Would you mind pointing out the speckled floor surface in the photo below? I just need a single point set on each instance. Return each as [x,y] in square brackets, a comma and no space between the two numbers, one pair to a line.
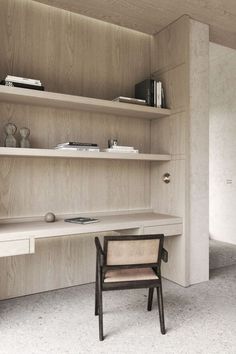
[200,319]
[222,254]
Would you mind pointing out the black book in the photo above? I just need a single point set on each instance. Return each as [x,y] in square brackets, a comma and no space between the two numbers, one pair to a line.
[77,144]
[18,84]
[145,90]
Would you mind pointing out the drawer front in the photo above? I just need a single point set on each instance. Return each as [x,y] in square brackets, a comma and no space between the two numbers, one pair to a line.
[15,247]
[167,230]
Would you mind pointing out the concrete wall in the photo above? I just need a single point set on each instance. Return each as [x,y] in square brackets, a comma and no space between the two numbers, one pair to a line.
[222,143]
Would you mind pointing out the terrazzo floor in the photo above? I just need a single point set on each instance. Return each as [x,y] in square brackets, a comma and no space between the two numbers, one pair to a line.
[199,319]
[222,254]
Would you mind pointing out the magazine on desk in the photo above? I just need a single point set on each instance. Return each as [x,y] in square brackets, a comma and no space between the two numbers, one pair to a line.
[82,220]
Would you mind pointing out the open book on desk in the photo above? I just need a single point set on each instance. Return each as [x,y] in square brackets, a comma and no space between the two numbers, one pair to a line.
[82,220]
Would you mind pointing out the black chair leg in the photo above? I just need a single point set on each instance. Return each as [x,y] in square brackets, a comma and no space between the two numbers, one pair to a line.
[96,299]
[100,314]
[150,297]
[161,309]
[96,290]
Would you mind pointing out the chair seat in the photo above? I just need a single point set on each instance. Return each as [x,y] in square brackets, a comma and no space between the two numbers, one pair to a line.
[130,275]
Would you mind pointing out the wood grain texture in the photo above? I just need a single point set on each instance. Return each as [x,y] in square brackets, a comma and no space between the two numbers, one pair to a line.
[50,126]
[64,154]
[79,103]
[184,76]
[69,53]
[151,16]
[172,135]
[57,263]
[14,247]
[174,142]
[79,56]
[72,186]
[23,229]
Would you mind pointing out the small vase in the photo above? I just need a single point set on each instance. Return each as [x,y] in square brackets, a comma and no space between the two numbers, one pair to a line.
[10,140]
[24,133]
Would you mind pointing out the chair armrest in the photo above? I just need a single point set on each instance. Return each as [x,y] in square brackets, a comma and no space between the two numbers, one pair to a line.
[100,252]
[164,255]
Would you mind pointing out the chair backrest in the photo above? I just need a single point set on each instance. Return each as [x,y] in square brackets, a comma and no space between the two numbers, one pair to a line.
[133,250]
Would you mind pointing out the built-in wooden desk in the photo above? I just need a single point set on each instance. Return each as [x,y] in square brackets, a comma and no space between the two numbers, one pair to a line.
[18,238]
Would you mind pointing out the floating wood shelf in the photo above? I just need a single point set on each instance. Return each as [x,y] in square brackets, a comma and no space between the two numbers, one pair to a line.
[21,152]
[59,100]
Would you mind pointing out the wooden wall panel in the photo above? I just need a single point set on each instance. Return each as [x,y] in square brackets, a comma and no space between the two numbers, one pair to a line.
[58,262]
[174,142]
[52,126]
[151,16]
[174,41]
[84,185]
[32,187]
[71,53]
[183,67]
[170,135]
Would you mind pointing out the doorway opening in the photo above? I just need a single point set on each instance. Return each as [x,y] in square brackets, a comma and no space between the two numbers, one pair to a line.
[222,156]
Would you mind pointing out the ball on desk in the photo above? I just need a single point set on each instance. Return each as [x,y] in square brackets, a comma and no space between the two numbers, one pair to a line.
[49,217]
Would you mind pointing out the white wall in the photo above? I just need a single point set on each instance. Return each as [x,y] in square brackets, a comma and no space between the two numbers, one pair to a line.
[222,143]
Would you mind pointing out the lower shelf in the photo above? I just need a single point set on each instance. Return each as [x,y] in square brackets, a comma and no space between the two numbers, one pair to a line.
[51,153]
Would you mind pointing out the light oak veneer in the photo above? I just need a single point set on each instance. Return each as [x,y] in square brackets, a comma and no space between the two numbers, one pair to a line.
[59,100]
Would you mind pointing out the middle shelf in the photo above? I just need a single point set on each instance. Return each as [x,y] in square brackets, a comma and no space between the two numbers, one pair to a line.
[51,153]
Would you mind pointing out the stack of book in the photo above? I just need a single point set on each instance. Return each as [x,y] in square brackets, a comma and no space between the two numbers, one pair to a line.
[77,146]
[152,92]
[130,100]
[15,81]
[124,149]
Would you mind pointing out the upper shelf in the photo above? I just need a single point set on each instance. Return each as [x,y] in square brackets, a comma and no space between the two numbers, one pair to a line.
[59,100]
[22,152]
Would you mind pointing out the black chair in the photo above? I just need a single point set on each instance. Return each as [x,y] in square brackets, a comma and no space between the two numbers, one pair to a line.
[130,262]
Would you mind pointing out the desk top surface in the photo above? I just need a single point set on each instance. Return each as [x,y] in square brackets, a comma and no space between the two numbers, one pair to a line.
[41,229]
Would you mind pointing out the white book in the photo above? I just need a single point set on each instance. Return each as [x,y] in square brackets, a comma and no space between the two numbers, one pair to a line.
[121,151]
[77,149]
[120,147]
[23,80]
[130,100]
[159,85]
[155,93]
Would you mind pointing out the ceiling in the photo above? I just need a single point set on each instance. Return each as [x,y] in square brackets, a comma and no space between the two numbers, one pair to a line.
[150,16]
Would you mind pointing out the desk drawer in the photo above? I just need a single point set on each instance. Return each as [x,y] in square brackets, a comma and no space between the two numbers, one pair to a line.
[167,230]
[15,247]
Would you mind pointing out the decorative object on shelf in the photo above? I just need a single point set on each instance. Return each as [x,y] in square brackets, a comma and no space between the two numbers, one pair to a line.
[24,133]
[10,140]
[72,145]
[112,142]
[82,220]
[16,81]
[166,177]
[124,149]
[130,100]
[152,92]
[50,217]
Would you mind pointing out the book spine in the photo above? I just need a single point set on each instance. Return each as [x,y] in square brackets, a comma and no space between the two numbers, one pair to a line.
[152,86]
[148,96]
[155,93]
[159,94]
[163,102]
